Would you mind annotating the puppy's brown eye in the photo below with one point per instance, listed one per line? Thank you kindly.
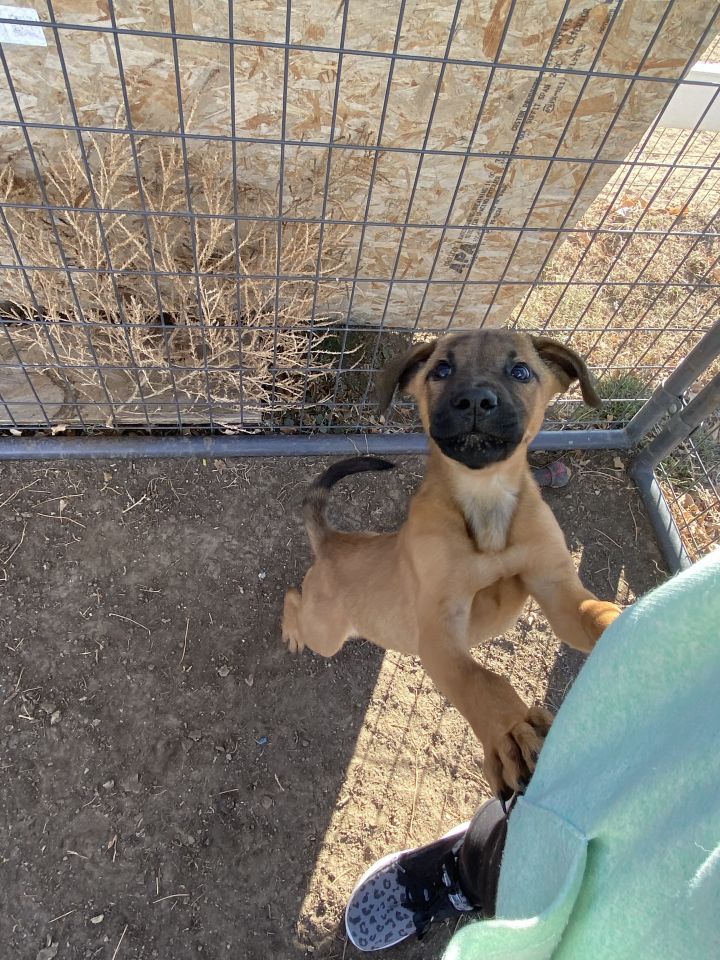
(441, 370)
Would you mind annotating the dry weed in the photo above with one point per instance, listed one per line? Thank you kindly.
(166, 308)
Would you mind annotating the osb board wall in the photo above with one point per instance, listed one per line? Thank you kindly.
(532, 193)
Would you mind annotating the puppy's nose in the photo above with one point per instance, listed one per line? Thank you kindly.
(483, 400)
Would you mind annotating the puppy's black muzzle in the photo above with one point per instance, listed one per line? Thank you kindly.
(477, 425)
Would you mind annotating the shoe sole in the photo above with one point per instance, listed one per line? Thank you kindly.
(380, 865)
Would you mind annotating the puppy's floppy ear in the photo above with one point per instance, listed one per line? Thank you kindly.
(567, 366)
(399, 372)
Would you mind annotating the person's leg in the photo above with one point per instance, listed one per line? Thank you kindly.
(404, 893)
(480, 856)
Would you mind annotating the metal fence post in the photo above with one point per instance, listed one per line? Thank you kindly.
(642, 469)
(667, 398)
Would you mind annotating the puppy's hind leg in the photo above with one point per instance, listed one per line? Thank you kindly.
(313, 619)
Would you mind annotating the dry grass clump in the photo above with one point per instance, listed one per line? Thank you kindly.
(169, 307)
(697, 515)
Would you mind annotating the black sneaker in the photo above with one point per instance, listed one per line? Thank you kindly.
(404, 893)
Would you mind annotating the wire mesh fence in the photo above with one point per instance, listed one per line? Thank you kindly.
(226, 217)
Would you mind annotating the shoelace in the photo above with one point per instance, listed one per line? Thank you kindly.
(426, 900)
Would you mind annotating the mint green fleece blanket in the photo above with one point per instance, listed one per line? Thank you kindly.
(614, 852)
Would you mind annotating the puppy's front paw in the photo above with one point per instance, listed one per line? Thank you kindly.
(290, 626)
(510, 758)
(597, 615)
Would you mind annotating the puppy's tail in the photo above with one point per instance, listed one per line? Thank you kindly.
(316, 498)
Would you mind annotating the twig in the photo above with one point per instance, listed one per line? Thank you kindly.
(187, 627)
(17, 688)
(633, 520)
(19, 693)
(18, 491)
(135, 503)
(122, 937)
(171, 896)
(600, 473)
(602, 534)
(63, 915)
(7, 560)
(130, 620)
(53, 516)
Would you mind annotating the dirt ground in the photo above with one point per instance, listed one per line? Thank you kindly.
(174, 784)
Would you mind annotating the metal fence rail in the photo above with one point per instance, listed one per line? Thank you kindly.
(198, 285)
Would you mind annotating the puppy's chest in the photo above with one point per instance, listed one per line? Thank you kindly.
(488, 520)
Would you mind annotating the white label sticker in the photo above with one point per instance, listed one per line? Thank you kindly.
(21, 32)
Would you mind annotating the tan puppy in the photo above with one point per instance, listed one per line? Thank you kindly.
(478, 540)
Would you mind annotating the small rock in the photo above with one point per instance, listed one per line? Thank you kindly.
(195, 735)
(249, 680)
(109, 785)
(223, 671)
(55, 718)
(47, 706)
(98, 919)
(262, 575)
(267, 802)
(48, 952)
